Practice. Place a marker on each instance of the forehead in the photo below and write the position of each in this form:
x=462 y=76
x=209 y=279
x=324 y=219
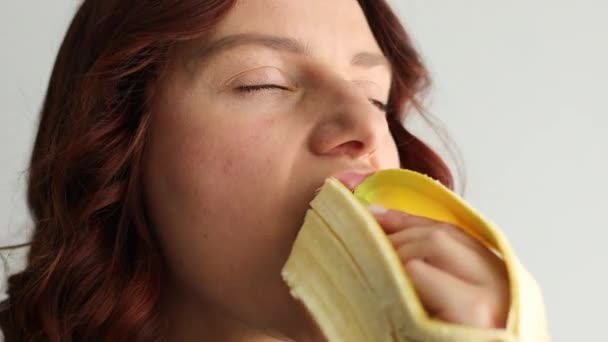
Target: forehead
x=329 y=27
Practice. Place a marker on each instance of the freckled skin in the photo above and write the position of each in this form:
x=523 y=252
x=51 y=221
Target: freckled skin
x=228 y=175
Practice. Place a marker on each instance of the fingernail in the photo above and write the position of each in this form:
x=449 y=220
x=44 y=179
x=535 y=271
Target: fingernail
x=377 y=209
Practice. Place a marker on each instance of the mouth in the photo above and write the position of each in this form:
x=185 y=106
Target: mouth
x=352 y=178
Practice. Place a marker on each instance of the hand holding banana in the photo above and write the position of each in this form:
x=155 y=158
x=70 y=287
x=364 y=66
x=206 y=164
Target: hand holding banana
x=457 y=279
x=431 y=269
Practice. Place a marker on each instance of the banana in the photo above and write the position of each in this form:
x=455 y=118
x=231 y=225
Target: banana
x=347 y=274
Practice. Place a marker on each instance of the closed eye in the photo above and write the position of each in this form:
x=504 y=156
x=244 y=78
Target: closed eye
x=383 y=107
x=260 y=87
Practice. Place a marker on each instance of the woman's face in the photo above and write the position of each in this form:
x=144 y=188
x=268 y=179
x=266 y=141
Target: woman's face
x=247 y=124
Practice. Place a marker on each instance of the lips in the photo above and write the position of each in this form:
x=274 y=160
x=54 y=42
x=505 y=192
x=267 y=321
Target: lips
x=351 y=178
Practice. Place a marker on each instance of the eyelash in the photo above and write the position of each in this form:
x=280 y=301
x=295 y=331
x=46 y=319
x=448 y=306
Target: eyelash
x=383 y=107
x=254 y=88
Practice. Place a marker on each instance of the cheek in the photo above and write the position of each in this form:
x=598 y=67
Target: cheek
x=213 y=193
x=211 y=151
x=210 y=169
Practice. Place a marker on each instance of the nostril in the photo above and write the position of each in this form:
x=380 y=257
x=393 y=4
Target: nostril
x=356 y=149
x=352 y=148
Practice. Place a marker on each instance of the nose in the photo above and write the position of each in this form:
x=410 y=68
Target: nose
x=348 y=123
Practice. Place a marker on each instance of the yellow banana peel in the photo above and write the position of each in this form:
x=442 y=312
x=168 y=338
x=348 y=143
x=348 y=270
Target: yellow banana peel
x=347 y=274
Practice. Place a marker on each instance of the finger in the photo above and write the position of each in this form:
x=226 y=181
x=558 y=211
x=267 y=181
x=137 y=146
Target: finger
x=450 y=299
x=398 y=222
x=418 y=232
x=440 y=249
x=408 y=235
x=393 y=221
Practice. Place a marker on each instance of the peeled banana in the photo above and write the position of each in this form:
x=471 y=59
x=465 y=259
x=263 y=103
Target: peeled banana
x=347 y=274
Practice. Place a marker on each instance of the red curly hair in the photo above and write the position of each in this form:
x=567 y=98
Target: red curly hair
x=94 y=271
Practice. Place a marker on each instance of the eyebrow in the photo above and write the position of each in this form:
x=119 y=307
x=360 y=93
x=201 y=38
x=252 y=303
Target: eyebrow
x=363 y=59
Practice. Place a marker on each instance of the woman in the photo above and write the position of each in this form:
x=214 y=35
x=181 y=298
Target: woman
x=179 y=145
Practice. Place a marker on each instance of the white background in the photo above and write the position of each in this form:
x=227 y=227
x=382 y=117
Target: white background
x=520 y=86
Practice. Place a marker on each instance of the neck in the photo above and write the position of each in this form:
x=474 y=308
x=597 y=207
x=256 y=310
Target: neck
x=189 y=320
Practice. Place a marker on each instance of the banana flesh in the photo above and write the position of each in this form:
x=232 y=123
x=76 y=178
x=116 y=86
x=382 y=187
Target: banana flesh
x=346 y=272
